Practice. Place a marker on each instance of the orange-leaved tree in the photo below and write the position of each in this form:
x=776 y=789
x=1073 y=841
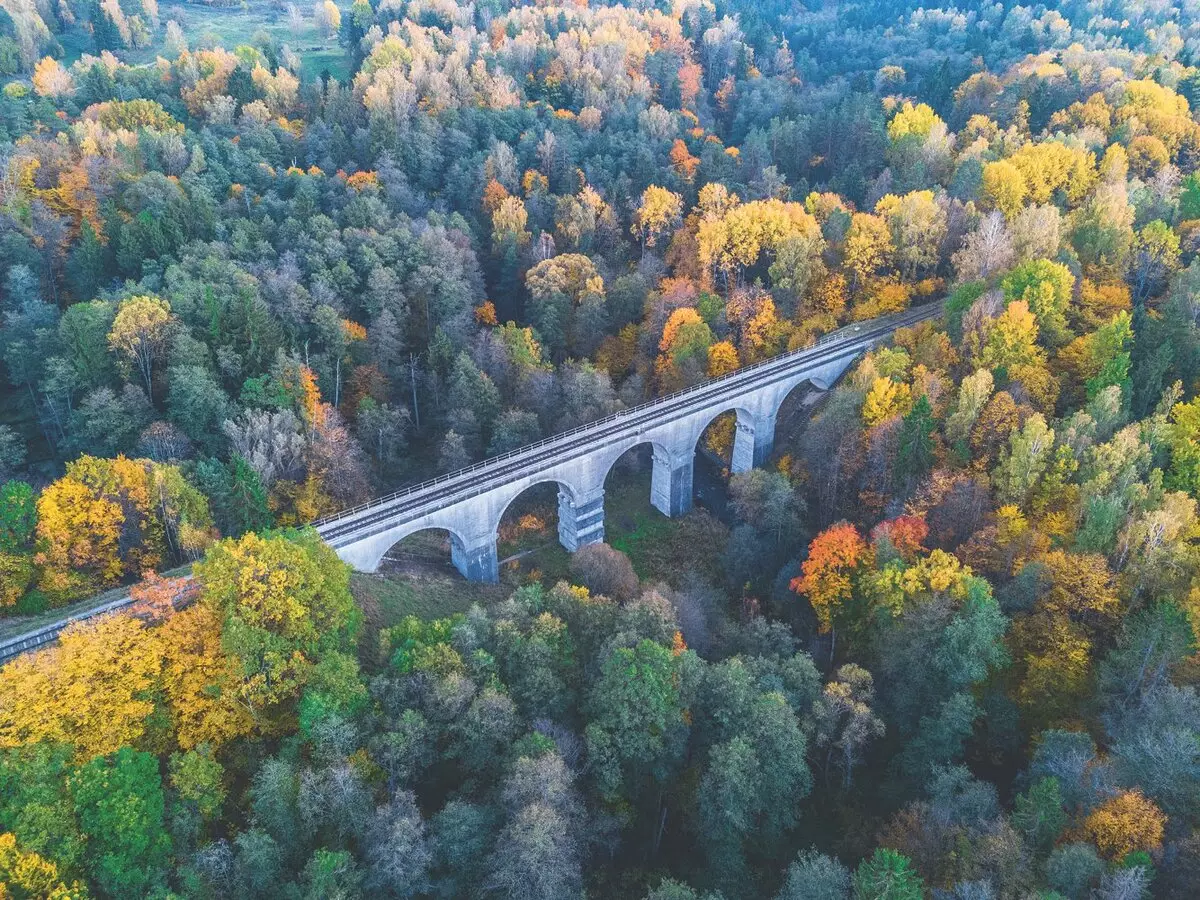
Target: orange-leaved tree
x=906 y=534
x=684 y=348
x=826 y=579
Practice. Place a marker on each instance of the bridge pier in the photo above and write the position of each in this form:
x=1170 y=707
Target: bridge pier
x=580 y=522
x=477 y=560
x=671 y=480
x=470 y=503
x=753 y=440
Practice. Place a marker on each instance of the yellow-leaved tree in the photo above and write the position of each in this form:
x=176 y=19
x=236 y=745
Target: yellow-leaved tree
x=867 y=250
x=734 y=239
x=658 y=212
x=722 y=359
x=328 y=18
x=283 y=601
x=886 y=398
x=140 y=332
x=1125 y=823
x=94 y=691
x=51 y=80
x=108 y=519
x=200 y=681
x=912 y=121
x=1012 y=339
x=24 y=873
x=1003 y=187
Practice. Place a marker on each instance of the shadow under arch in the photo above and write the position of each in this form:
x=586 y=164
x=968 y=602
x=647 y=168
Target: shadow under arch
x=542 y=485
x=367 y=554
x=629 y=483
x=543 y=508
x=796 y=404
x=427 y=548
x=633 y=457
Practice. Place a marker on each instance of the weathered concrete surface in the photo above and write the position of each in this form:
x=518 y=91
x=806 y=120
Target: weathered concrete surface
x=469 y=504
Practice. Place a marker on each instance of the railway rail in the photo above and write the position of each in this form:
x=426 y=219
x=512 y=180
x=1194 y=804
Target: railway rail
x=476 y=478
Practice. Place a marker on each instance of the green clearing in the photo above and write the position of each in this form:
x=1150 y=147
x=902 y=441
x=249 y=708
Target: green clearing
x=632 y=525
x=548 y=562
x=314 y=62
x=659 y=548
x=386 y=599
x=206 y=26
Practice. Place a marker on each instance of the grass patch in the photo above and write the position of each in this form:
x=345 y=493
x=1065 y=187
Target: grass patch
x=548 y=563
x=313 y=63
x=230 y=27
x=237 y=25
x=694 y=543
x=661 y=548
x=386 y=599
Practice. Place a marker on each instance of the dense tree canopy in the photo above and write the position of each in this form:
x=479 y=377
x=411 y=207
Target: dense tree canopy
x=260 y=264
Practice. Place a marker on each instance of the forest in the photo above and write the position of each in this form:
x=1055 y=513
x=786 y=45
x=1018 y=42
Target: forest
x=260 y=263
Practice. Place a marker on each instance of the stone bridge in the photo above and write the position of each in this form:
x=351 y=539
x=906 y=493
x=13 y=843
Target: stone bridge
x=470 y=503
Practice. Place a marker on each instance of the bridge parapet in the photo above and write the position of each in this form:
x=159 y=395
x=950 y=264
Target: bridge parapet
x=469 y=503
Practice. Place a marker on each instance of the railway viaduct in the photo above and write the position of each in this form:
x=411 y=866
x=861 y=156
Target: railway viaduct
x=469 y=503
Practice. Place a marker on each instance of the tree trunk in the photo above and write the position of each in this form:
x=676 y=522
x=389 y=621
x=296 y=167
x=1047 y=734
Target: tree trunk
x=412 y=366
x=661 y=829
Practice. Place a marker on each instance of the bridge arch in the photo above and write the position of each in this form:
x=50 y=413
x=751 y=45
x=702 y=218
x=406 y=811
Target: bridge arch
x=476 y=498
x=662 y=462
x=709 y=416
x=713 y=422
x=606 y=466
x=432 y=546
x=505 y=503
x=753 y=431
x=579 y=509
x=366 y=555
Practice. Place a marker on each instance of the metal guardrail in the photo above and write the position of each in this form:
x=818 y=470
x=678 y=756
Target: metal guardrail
x=914 y=314
x=13 y=647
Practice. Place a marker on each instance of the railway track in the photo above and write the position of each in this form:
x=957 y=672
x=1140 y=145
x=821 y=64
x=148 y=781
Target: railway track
x=477 y=478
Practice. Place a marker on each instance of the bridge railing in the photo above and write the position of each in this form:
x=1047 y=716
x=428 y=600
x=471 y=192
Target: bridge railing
x=830 y=338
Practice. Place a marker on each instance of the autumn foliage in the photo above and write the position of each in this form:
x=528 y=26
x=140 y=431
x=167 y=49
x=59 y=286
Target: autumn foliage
x=827 y=574
x=951 y=619
x=107 y=519
x=1126 y=823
